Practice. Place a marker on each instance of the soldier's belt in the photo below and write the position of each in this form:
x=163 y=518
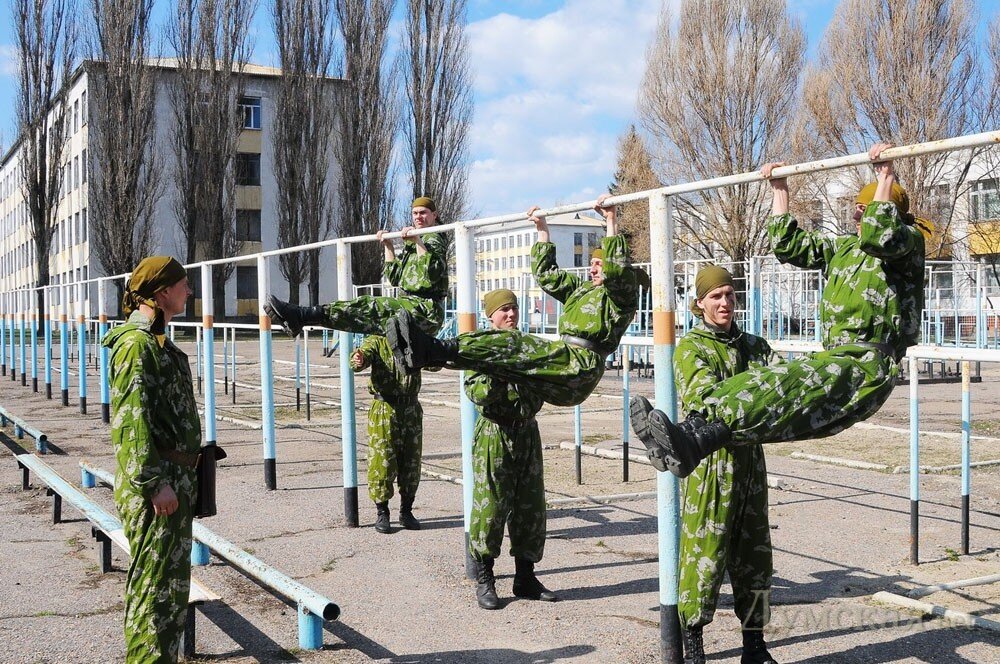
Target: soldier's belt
x=885 y=349
x=581 y=342
x=510 y=422
x=188 y=460
x=396 y=401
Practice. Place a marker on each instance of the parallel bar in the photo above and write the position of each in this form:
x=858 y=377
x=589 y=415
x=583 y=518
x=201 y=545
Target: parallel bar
x=348 y=425
x=81 y=338
x=465 y=252
x=102 y=354
x=22 y=342
x=48 y=342
x=914 y=463
x=33 y=328
x=578 y=441
x=305 y=347
x=208 y=363
x=668 y=498
x=966 y=453
x=266 y=378
x=626 y=426
x=64 y=345
x=4 y=310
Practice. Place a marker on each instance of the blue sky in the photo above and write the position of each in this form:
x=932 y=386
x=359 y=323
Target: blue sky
x=555 y=85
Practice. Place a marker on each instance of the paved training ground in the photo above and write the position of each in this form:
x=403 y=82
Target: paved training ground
x=840 y=535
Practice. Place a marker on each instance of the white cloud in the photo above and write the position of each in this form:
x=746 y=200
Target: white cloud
x=8 y=60
x=553 y=93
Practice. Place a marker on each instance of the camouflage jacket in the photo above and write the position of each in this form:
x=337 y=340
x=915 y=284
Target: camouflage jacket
x=424 y=276
x=706 y=356
x=153 y=408
x=874 y=283
x=500 y=401
x=598 y=313
x=388 y=381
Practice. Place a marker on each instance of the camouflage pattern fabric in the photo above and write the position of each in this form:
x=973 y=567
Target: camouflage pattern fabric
x=395 y=422
x=422 y=280
x=563 y=374
x=873 y=294
x=724 y=524
x=508 y=486
x=154 y=409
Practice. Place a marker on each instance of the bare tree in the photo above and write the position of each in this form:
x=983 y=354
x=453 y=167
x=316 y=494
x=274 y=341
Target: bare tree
x=302 y=140
x=439 y=102
x=719 y=90
x=905 y=71
x=635 y=173
x=367 y=118
x=124 y=186
x=46 y=47
x=209 y=40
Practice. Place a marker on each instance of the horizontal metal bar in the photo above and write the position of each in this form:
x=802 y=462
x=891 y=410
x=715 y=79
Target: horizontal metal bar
x=283 y=584
x=27 y=428
x=94 y=513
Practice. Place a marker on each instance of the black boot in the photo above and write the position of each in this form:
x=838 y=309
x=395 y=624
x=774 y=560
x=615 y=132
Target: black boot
x=754 y=648
x=406 y=518
x=293 y=318
x=486 y=585
x=641 y=414
x=413 y=348
x=527 y=585
x=382 y=518
x=694 y=646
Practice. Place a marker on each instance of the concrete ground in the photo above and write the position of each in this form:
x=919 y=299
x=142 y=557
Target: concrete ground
x=839 y=534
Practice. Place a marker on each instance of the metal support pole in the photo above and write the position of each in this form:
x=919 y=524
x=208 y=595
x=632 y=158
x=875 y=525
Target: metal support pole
x=3 y=332
x=305 y=347
x=23 y=346
x=81 y=338
x=578 y=441
x=298 y=374
x=232 y=368
x=225 y=360
x=197 y=350
x=668 y=499
x=12 y=321
x=914 y=463
x=56 y=505
x=48 y=341
x=64 y=344
x=200 y=554
x=966 y=453
x=348 y=425
x=102 y=352
x=33 y=329
x=465 y=252
x=310 y=629
x=626 y=427
x=266 y=377
x=208 y=362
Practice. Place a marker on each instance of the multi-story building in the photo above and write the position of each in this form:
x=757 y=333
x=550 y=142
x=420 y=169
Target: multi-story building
x=73 y=257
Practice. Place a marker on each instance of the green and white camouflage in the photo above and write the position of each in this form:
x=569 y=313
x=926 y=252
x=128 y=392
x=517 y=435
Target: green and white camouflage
x=563 y=374
x=724 y=524
x=873 y=295
x=153 y=410
x=508 y=485
x=395 y=422
x=423 y=284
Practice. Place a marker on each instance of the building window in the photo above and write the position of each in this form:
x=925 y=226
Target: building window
x=246 y=282
x=577 y=260
x=984 y=200
x=83 y=108
x=248 y=225
x=250 y=107
x=578 y=240
x=248 y=169
x=83 y=166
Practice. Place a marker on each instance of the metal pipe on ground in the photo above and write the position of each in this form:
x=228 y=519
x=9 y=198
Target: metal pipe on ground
x=21 y=427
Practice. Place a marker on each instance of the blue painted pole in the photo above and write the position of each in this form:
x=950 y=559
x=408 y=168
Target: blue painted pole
x=232 y=368
x=12 y=325
x=348 y=425
x=298 y=375
x=81 y=338
x=914 y=463
x=102 y=352
x=64 y=344
x=626 y=395
x=966 y=452
x=310 y=629
x=33 y=328
x=198 y=354
x=4 y=302
x=225 y=360
x=23 y=347
x=578 y=442
x=266 y=378
x=48 y=342
x=465 y=253
x=305 y=345
x=661 y=224
x=207 y=360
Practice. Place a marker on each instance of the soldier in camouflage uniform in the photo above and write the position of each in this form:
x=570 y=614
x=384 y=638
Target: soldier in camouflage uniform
x=870 y=313
x=395 y=432
x=156 y=434
x=724 y=525
x=508 y=484
x=420 y=272
x=564 y=372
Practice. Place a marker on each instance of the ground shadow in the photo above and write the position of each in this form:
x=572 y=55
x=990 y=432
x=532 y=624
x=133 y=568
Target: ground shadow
x=251 y=640
x=495 y=656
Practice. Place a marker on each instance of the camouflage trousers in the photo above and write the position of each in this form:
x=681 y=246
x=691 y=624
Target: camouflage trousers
x=563 y=374
x=158 y=579
x=724 y=527
x=509 y=490
x=395 y=444
x=816 y=395
x=368 y=314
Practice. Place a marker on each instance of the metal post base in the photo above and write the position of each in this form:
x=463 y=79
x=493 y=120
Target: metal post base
x=83 y=405
x=470 y=562
x=914 y=532
x=187 y=640
x=34 y=384
x=103 y=550
x=106 y=413
x=65 y=397
x=671 y=651
x=965 y=525
x=48 y=390
x=56 y=505
x=351 y=506
x=310 y=630
x=270 y=474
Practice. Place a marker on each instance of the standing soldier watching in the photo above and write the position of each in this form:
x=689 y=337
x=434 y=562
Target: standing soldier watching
x=395 y=432
x=724 y=525
x=508 y=486
x=156 y=434
x=420 y=273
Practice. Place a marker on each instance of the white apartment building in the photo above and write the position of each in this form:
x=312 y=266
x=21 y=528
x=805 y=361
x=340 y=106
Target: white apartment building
x=73 y=257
